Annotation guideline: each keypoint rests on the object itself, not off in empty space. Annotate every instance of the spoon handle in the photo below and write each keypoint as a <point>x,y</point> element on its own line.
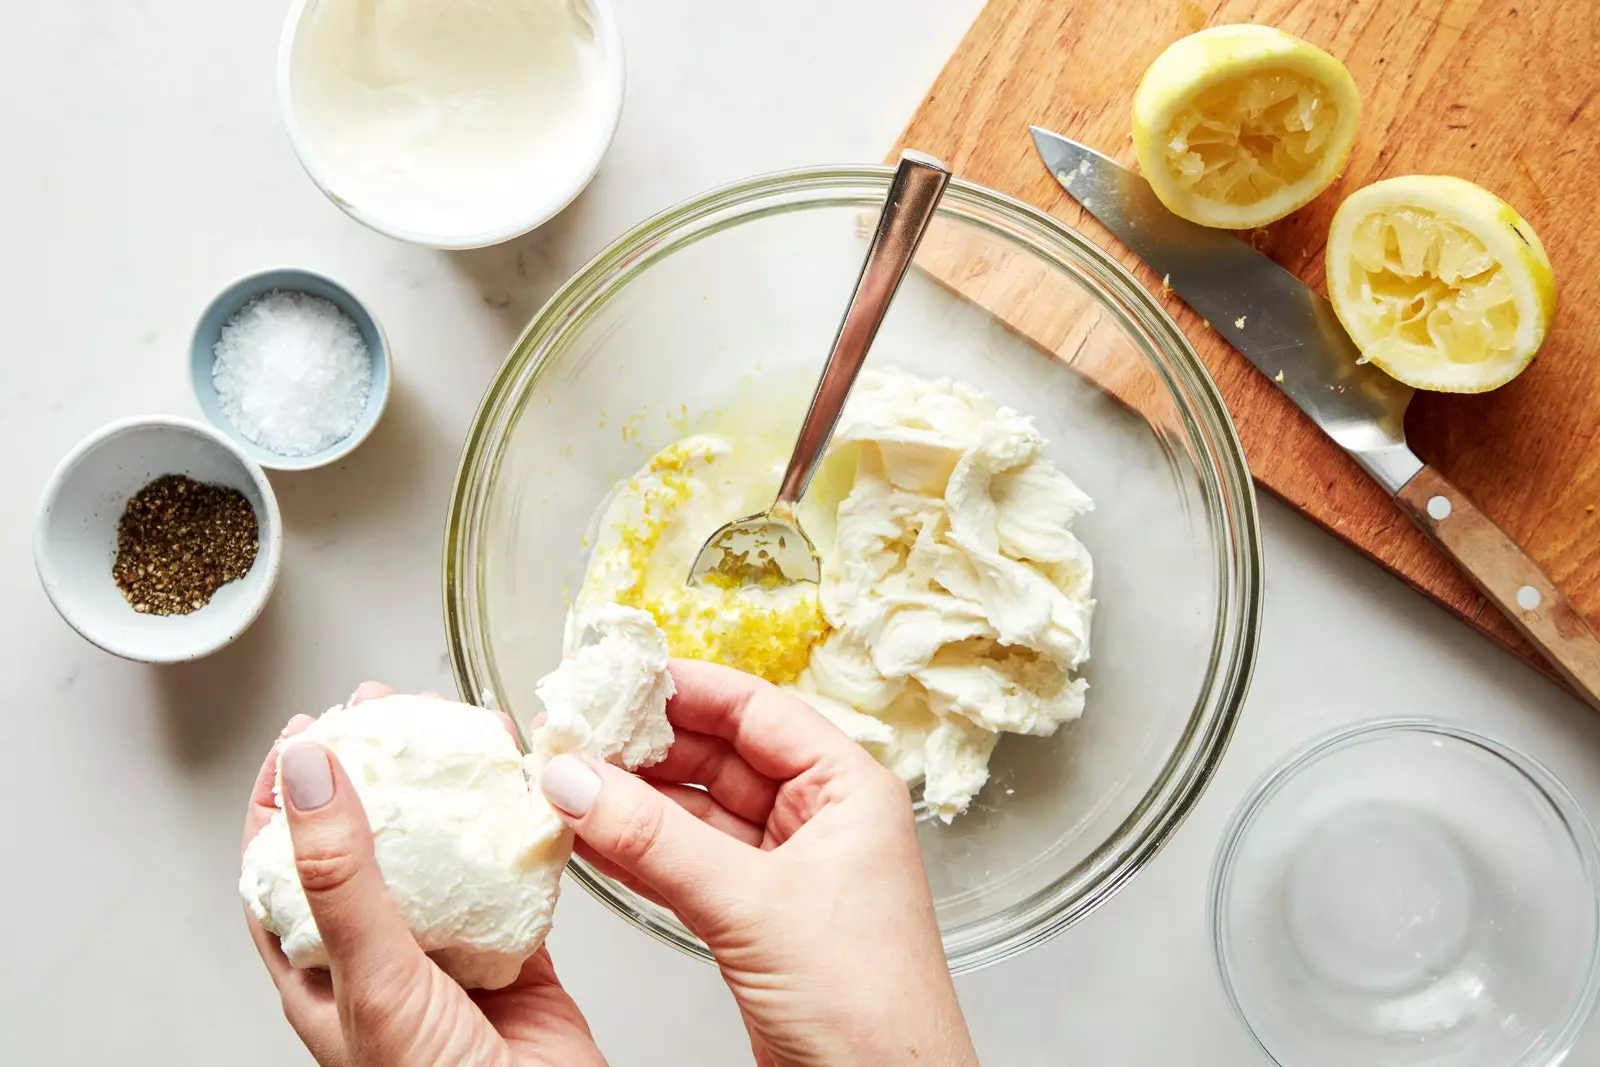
<point>913,196</point>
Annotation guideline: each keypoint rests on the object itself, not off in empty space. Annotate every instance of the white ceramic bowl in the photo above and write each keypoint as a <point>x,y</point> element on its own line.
<point>577,169</point>
<point>75,536</point>
<point>226,304</point>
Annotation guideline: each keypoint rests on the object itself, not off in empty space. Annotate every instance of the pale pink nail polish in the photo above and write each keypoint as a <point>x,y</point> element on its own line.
<point>292,723</point>
<point>569,784</point>
<point>369,691</point>
<point>307,775</point>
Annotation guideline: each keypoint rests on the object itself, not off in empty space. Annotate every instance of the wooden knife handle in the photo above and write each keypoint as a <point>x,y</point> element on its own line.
<point>1507,576</point>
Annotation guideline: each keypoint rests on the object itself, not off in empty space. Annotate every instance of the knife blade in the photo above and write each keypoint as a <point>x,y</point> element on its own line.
<point>1292,335</point>
<point>1286,329</point>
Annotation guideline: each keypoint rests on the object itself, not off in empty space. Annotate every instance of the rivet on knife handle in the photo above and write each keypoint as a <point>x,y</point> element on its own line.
<point>1507,576</point>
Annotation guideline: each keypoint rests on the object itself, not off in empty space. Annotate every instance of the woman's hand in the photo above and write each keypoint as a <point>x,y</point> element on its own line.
<point>796,863</point>
<point>382,1002</point>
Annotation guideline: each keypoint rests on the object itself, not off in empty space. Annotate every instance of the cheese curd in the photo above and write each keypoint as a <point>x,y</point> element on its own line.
<point>957,597</point>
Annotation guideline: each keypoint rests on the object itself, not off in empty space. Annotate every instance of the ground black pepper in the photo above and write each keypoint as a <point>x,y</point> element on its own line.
<point>179,541</point>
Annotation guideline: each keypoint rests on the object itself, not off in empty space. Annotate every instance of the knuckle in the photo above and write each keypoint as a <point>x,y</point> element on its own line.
<point>389,1000</point>
<point>892,793</point>
<point>696,802</point>
<point>299,1004</point>
<point>638,829</point>
<point>707,765</point>
<point>325,867</point>
<point>719,772</point>
<point>891,785</point>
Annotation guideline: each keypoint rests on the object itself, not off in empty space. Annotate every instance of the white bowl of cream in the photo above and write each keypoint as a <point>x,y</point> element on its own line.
<point>451,123</point>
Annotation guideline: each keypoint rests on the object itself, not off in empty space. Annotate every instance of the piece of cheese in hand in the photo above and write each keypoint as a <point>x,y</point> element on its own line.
<point>608,697</point>
<point>472,854</point>
<point>471,851</point>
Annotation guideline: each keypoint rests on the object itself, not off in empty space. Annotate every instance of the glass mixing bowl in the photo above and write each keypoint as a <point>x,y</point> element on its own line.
<point>726,306</point>
<point>1408,893</point>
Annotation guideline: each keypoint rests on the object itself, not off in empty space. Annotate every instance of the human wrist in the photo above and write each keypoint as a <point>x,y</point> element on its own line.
<point>893,1031</point>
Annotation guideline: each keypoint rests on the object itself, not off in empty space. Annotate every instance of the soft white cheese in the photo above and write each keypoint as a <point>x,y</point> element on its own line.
<point>955,600</point>
<point>448,118</point>
<point>609,696</point>
<point>958,597</point>
<point>471,851</point>
<point>471,854</point>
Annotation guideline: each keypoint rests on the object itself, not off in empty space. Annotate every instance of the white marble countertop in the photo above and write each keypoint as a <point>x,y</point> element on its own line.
<point>146,166</point>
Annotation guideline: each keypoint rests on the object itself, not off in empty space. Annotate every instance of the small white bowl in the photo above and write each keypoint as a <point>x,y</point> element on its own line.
<point>226,304</point>
<point>75,536</point>
<point>580,170</point>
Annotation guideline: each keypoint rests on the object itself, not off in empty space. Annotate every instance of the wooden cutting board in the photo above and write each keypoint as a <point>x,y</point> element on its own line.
<point>1505,93</point>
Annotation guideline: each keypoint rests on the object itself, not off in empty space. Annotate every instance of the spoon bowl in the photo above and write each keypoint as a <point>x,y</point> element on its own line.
<point>770,548</point>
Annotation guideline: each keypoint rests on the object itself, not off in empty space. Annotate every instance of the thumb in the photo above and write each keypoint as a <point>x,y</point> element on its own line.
<point>371,954</point>
<point>692,866</point>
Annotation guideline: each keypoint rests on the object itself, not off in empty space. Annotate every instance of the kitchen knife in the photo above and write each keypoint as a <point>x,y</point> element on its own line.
<point>1293,337</point>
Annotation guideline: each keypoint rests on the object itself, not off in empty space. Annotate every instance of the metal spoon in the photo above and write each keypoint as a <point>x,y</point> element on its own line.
<point>770,547</point>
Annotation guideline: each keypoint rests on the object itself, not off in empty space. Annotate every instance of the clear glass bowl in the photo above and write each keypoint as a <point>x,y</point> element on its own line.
<point>1407,892</point>
<point>728,303</point>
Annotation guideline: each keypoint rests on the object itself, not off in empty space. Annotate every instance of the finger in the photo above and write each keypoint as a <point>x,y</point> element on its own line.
<point>371,954</point>
<point>511,728</point>
<point>703,806</point>
<point>697,803</point>
<point>432,694</point>
<point>370,691</point>
<point>605,867</point>
<point>633,825</point>
<point>266,942</point>
<point>296,724</point>
<point>263,800</point>
<point>536,1012</point>
<point>700,759</point>
<point>310,1007</point>
<point>539,969</point>
<point>777,733</point>
<point>307,1001</point>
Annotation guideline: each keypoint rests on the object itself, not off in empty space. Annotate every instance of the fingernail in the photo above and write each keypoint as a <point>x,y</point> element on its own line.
<point>570,785</point>
<point>292,723</point>
<point>307,777</point>
<point>369,691</point>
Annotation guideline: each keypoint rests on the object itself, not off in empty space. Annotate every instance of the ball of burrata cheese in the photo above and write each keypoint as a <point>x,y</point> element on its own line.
<point>471,851</point>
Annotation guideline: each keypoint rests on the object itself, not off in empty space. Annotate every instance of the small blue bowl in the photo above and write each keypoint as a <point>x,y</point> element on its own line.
<point>202,355</point>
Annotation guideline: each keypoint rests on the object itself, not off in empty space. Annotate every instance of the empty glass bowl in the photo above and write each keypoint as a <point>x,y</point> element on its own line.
<point>724,307</point>
<point>1406,892</point>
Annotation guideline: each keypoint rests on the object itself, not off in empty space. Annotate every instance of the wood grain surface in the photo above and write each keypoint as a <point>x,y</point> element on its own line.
<point>1505,93</point>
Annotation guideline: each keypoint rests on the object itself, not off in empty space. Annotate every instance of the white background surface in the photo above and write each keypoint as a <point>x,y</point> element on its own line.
<point>145,166</point>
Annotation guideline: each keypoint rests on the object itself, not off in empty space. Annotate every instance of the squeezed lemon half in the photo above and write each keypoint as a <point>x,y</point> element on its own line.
<point>1236,126</point>
<point>1439,282</point>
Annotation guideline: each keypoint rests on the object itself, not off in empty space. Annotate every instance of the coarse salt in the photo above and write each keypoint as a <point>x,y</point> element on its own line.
<point>292,373</point>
